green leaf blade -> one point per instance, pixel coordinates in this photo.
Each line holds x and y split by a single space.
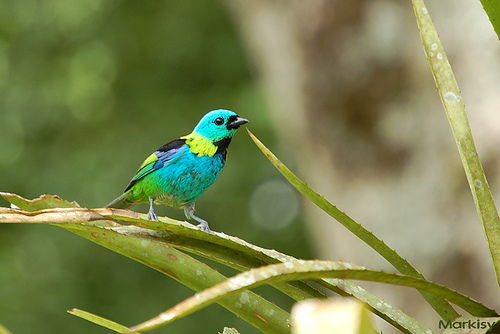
40 203
103 322
453 104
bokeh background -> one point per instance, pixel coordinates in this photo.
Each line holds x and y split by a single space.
339 90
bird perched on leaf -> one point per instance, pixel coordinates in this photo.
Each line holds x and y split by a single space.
180 171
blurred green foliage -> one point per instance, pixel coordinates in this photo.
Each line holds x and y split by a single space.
88 89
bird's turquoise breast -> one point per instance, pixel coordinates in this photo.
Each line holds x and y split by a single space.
183 181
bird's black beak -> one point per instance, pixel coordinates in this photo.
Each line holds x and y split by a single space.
234 122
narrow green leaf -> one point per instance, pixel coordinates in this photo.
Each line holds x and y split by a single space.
40 203
98 320
455 110
492 8
298 270
440 305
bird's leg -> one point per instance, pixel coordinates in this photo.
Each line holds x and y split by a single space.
189 212
151 213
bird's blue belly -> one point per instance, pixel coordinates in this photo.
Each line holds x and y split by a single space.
182 182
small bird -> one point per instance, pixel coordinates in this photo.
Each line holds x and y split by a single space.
180 171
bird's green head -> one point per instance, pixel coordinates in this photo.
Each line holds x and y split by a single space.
219 124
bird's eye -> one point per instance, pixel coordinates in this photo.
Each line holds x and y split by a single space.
219 121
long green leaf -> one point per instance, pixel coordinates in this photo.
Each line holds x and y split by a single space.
298 270
455 110
98 320
225 249
440 305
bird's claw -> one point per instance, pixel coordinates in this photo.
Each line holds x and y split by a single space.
204 227
152 216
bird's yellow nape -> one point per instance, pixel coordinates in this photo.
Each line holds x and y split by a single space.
200 145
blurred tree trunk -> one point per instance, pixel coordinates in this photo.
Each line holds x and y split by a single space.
353 101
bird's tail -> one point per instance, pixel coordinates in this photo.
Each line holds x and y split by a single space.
121 202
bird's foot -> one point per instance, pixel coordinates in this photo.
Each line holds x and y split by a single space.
152 216
204 226
151 213
189 212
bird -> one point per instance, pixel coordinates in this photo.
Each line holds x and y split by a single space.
179 172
